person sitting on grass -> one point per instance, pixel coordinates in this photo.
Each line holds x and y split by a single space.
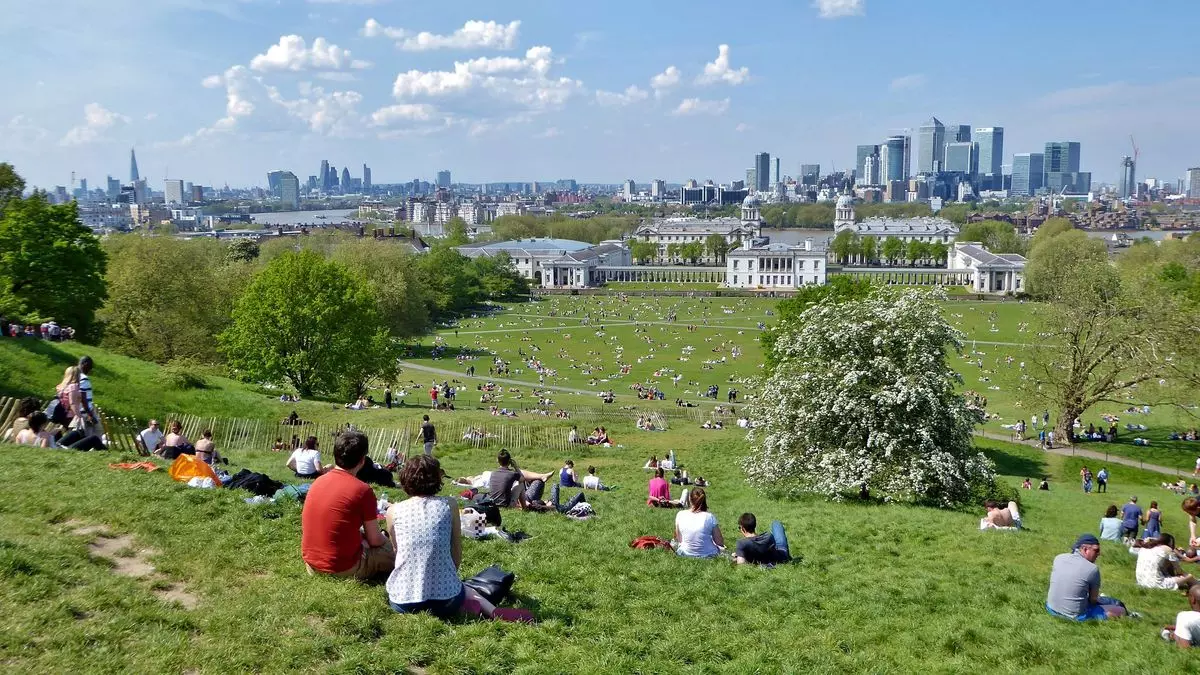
660 491
1110 524
175 443
25 409
306 461
205 448
1074 591
651 463
426 533
697 534
1186 631
768 548
1045 484
592 482
566 475
339 527
1158 566
1008 517
510 486
35 433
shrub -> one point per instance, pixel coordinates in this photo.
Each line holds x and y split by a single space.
182 375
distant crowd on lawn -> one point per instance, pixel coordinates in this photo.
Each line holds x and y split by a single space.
47 330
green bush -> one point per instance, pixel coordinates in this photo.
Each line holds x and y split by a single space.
182 375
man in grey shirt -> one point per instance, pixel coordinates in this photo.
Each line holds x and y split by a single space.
1075 585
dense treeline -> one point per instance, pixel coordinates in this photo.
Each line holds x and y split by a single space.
592 230
820 215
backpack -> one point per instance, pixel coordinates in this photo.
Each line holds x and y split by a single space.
257 483
489 507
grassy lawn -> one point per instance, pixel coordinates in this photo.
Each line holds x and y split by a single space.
879 589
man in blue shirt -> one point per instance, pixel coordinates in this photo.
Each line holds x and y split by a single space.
1131 519
1102 480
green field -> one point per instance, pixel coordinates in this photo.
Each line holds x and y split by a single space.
879 588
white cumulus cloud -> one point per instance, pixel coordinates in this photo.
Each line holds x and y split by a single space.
293 53
403 112
719 71
836 9
474 34
907 82
665 80
699 106
96 120
632 94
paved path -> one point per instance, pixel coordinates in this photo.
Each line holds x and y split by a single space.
1072 451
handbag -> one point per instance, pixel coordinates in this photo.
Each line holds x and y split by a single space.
493 584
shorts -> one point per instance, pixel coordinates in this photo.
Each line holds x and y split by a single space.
1093 613
373 563
442 609
1129 531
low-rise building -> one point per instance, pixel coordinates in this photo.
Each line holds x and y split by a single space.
776 266
664 232
551 262
992 272
926 229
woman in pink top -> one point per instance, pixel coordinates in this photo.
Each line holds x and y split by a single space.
660 490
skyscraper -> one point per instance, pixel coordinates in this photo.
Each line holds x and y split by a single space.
762 171
1128 184
628 190
870 175
273 182
810 174
1062 168
173 192
990 152
114 188
894 158
778 175
443 178
1027 170
932 153
960 158
751 178
346 189
366 178
133 172
323 177
861 176
958 133
658 188
289 189
1193 183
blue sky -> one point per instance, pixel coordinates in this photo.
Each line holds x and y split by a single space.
222 91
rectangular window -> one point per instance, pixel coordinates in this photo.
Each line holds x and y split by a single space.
800 265
735 280
816 264
735 264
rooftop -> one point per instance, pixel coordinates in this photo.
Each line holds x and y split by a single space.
532 244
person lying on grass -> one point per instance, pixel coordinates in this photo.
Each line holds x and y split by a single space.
1158 566
997 517
426 533
339 526
1074 591
768 548
1186 631
697 534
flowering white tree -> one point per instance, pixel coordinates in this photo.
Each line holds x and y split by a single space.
862 401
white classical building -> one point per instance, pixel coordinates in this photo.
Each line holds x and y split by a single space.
685 230
776 266
927 229
556 262
991 272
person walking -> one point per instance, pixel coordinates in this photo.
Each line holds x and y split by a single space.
428 434
1102 480
387 397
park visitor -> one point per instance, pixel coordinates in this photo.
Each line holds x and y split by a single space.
697 534
1110 524
428 433
1074 591
592 482
768 548
427 537
508 485
387 397
1131 520
73 398
175 443
205 448
573 435
566 475
1045 484
1191 506
35 433
997 517
1153 522
1158 566
1027 485
151 438
660 490
1102 480
25 408
1186 631
339 526
305 462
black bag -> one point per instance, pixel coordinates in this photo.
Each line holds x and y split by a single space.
373 473
493 584
57 413
487 505
257 483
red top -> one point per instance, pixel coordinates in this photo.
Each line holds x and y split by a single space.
433 393
660 488
338 504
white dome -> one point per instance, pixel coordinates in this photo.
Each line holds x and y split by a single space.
845 202
750 200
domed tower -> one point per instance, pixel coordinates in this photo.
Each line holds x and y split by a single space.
843 213
750 210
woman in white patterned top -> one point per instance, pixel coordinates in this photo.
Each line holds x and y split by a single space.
427 536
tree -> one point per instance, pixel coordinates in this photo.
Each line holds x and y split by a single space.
449 281
673 251
996 236
692 251
498 279
164 298
956 213
643 251
863 401
51 266
392 271
242 250
938 252
310 322
869 250
915 251
1055 262
892 249
843 246
12 186
838 289
456 232
717 248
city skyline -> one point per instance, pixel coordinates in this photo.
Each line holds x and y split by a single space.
529 90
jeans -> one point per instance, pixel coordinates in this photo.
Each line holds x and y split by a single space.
442 609
535 490
781 542
563 508
81 440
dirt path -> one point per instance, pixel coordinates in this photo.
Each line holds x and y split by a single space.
1072 451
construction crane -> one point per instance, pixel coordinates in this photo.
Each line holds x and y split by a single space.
1136 150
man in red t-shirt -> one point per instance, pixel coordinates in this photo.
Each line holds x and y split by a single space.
339 531
433 393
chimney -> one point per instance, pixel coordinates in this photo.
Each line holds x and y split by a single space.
746 243
808 244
